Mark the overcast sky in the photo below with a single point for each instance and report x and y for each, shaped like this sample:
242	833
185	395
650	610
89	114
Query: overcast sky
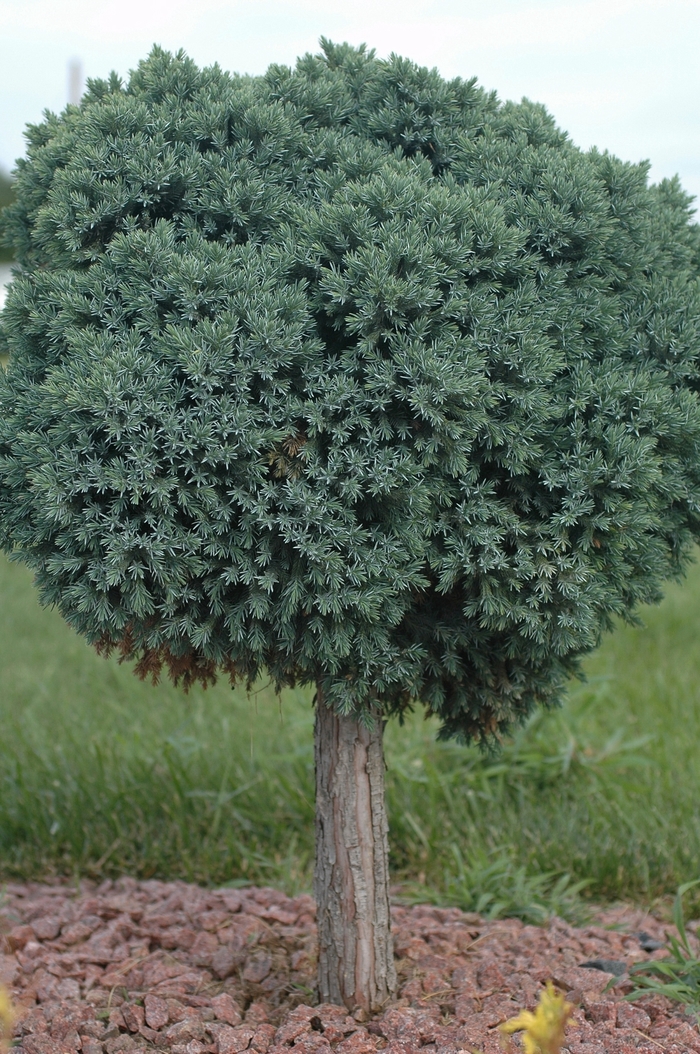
621	74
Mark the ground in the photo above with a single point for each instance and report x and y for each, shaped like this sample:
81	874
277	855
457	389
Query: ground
132	967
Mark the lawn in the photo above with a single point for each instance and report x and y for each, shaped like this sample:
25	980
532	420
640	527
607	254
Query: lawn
101	774
7	196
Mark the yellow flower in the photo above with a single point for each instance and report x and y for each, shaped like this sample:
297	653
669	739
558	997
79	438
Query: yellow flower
7	1019
543	1030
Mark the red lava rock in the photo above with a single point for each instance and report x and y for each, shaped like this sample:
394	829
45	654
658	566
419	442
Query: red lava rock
489	977
116	1019
400	1024
231	900
257	968
18	937
465	1008
134	1016
629	1016
203	947
193	1047
232	1040
313	1043
399	1047
41	1044
75	934
185	1030
257	1014
498	1009
263	1038
334	1034
331	1016
45	929
150	1035
69	988
278	914
70	1040
126	967
226	1009
70	1018
90	1046
297	1023
603	1010
178	937
224	962
93	1029
156	1012
120	1044
358	1042
685	1037
44	984
211	920
35	1021
9	969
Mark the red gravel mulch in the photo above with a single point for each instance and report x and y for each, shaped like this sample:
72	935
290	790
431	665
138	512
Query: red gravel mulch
133	967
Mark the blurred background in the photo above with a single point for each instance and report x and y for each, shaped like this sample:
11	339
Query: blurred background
101	774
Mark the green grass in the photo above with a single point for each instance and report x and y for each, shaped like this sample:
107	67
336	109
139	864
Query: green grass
101	774
7	195
677	974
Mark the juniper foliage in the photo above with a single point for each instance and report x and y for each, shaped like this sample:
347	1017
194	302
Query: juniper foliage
350	374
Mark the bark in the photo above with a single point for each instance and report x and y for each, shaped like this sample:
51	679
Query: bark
351	881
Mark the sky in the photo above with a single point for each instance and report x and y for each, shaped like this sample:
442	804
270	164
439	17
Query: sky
623	75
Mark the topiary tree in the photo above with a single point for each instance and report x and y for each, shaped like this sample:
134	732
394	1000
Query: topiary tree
356	376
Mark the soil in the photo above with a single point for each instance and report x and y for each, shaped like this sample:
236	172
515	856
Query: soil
134	967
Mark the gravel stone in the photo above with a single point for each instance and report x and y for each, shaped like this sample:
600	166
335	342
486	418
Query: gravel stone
129	967
226	1009
46	928
257	968
156	1012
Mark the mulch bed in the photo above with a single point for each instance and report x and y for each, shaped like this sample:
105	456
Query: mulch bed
133	967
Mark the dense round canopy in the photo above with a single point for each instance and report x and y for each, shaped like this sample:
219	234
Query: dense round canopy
350	374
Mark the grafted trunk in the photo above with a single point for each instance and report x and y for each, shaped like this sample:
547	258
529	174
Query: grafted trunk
351	881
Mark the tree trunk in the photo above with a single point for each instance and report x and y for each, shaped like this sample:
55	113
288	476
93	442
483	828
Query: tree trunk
351	881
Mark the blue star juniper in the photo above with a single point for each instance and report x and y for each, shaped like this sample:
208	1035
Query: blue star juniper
348	374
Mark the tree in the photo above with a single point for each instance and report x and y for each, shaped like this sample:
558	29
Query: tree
358	377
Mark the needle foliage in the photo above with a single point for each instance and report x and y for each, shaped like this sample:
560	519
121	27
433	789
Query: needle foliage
350	374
